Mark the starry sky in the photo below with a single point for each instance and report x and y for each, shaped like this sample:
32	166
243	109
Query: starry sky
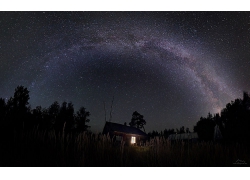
172	67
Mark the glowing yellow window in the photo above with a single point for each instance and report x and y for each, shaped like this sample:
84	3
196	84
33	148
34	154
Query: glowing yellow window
132	140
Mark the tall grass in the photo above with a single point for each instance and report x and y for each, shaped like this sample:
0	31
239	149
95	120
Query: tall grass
48	148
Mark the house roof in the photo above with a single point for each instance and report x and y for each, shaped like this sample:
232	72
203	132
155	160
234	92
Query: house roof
112	127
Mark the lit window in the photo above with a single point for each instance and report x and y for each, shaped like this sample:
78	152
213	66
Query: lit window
132	140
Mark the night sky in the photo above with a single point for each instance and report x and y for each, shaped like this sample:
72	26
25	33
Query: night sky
172	67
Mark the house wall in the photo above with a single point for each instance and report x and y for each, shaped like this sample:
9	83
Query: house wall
127	138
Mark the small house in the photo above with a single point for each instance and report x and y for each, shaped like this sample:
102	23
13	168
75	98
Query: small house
128	134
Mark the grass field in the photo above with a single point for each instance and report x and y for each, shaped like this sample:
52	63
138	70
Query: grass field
49	149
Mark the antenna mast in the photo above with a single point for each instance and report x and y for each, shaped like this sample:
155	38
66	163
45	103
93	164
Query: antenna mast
105	110
110	118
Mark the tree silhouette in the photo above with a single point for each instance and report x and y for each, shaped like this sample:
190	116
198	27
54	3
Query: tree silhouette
70	116
16	114
53	114
205	128
21	98
65	117
2	109
182	130
234	121
47	122
137	121
37	115
81	119
18	109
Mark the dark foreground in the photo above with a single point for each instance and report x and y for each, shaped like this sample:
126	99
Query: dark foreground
49	149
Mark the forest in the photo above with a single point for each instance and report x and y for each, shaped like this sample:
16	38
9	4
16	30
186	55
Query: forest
59	136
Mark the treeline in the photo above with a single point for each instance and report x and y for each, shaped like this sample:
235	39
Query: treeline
16	114
233	122
168	132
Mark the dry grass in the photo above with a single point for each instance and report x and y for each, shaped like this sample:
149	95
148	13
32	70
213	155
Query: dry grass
48	148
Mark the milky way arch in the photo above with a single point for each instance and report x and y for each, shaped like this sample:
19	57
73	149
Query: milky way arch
169	57
171	78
